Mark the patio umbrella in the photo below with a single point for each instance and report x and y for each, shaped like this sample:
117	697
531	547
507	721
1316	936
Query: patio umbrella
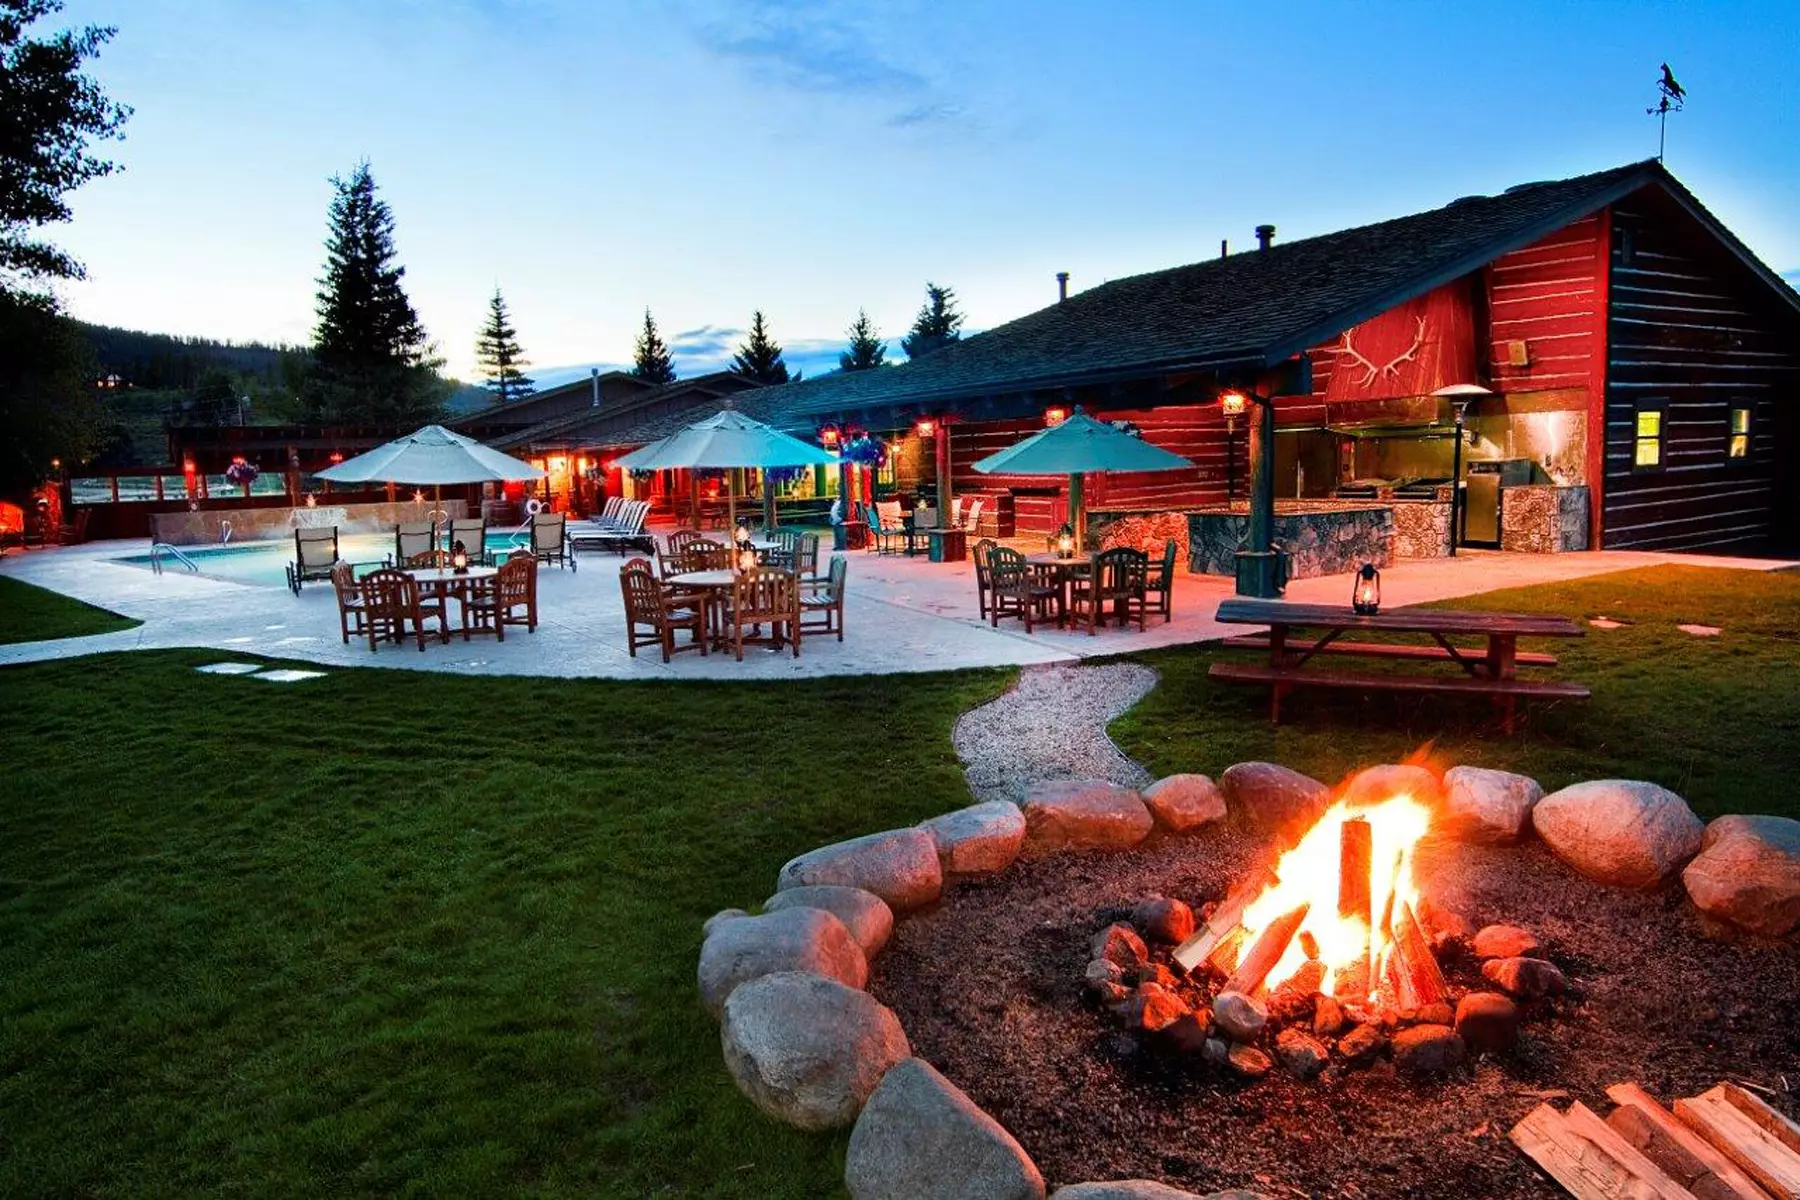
729	440
431	455
1077	445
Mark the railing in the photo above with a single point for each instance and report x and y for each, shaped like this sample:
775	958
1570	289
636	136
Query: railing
224	530
158	549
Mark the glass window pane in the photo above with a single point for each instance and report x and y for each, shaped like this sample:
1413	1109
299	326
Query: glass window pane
90	491
1740	445
1740	420
1649	423
1649	452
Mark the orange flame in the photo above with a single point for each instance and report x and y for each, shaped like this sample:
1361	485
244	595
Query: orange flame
1309	874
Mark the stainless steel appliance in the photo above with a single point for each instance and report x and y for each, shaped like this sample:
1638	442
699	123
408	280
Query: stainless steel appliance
1482	497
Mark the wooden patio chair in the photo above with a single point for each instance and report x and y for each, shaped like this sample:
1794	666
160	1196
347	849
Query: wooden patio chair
782	556
426	559
392	602
1161	589
806	559
1118	578
315	553
353	615
984	574
762	596
681	538
971	519
509	597
413	538
825	602
648	606
1018	591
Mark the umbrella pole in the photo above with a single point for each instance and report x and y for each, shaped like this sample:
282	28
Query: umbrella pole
731	499
768	501
1077	513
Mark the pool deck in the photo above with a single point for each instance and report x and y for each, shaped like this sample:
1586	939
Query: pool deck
902	615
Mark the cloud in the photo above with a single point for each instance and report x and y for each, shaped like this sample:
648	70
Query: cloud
926	114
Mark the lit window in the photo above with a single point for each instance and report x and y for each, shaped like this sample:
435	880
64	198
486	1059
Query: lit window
1649	438
1739	446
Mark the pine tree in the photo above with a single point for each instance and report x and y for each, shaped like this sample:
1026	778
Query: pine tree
372	362
937	325
653	360
759	358
866	350
498	353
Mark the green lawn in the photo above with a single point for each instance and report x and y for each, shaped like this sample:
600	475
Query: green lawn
32	614
1714	718
386	932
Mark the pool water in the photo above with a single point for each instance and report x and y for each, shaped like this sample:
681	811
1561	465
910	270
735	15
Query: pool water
266	563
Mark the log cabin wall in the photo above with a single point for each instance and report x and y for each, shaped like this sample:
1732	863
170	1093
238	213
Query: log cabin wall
1550	296
1693	336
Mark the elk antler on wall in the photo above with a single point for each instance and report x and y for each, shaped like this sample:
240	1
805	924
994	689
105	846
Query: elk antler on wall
1392	367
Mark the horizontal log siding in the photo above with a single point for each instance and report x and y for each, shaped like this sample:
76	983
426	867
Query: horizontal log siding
1548	295
1689	327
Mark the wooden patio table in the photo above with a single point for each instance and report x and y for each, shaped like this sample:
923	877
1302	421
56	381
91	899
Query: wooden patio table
1492	673
447	582
713	583
1064	571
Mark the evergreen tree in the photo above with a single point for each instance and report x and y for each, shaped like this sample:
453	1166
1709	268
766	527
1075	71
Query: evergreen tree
653	360
866	350
937	325
498	352
759	358
372	362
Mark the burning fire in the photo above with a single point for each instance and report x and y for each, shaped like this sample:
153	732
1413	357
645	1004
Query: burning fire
1351	890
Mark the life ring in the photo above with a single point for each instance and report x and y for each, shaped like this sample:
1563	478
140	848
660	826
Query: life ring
533	507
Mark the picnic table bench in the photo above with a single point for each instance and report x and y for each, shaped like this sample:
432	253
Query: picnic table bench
1491	671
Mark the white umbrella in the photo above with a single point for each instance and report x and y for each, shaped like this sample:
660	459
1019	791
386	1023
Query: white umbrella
431	455
730	440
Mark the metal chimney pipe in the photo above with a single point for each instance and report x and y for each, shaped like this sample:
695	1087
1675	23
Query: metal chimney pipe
1062	286
1224	248
1264	235
594	381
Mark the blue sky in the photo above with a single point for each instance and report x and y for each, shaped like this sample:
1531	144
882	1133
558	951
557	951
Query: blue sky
812	159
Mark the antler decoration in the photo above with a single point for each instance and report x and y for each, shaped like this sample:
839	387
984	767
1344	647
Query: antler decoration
1392	367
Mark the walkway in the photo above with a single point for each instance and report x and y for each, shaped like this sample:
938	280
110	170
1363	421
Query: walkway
902	615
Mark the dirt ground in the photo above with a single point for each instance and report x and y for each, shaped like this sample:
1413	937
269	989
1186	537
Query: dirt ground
988	985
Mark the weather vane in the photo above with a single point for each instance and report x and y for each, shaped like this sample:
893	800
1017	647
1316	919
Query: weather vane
1671	98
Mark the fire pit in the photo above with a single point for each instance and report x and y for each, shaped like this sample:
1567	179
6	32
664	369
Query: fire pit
1357	991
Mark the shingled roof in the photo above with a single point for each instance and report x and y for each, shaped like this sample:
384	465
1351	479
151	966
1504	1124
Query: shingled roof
1245	312
610	424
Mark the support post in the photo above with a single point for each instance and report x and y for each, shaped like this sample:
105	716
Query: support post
768	501
943	472
1077	513
1258	566
1456	485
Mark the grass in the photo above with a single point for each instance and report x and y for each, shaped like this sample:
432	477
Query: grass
389	932
32	614
1716	719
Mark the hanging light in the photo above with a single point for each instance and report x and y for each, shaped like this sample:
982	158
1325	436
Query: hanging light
830	436
459	558
1056	414
336	458
1233	403
925	427
1365	594
1065	541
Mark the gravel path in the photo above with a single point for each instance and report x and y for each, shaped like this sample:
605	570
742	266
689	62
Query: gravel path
1051	725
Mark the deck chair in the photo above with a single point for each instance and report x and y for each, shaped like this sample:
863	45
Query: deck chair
759	597
315	552
971	519
510	598
549	539
826	603
472	533
609	512
651	610
413	538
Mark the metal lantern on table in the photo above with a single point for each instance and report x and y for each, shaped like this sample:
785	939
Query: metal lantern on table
1065	541
1365	594
459	558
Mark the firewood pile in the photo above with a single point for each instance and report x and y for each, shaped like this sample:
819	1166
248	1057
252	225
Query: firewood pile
1724	1144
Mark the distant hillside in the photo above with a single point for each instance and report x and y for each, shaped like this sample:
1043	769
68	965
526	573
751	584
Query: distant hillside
161	361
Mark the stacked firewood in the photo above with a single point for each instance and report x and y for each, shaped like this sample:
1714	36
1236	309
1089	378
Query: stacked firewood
1724	1144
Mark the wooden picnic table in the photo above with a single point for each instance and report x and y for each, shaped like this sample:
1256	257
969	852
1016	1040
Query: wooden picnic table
1490	671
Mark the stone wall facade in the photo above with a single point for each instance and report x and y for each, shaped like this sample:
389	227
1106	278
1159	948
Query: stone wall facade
207	527
1320	538
1543	519
1421	529
1146	531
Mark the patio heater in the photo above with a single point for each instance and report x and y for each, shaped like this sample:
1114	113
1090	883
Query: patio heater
1461	396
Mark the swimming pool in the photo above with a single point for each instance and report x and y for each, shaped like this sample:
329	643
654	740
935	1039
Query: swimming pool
266	563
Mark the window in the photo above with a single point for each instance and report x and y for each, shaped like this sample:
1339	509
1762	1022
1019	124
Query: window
1739	445
1649	439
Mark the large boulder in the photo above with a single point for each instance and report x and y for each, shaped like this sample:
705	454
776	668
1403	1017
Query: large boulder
920	1138
1271	797
1492	807
866	915
900	866
1372	785
1748	874
978	840
1180	803
808	1050
1137	1189
1617	831
794	939
1084	814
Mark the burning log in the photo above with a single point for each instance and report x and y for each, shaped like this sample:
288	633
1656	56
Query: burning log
1265	952
1216	941
1411	969
1356	850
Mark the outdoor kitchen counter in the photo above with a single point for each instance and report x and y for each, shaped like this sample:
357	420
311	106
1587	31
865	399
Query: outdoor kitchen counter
1321	537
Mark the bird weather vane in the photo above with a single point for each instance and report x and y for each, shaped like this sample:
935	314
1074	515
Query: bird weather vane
1671	97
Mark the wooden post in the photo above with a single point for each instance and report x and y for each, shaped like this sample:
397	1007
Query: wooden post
1265	952
1356	848
768	501
943	472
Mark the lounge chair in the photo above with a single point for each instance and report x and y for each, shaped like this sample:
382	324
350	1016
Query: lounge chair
353	614
826	602
549	539
510	598
1161	588
315	553
472	533
971	518
625	532
412	538
761	596
648	606
1018	591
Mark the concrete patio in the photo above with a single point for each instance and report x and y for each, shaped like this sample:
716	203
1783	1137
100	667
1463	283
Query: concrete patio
902	614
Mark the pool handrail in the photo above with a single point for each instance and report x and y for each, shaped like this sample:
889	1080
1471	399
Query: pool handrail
158	549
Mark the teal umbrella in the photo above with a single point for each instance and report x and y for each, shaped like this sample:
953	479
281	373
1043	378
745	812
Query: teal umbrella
728	440
1074	447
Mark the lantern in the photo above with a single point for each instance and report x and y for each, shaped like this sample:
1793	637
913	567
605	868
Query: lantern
459	558
312	501
1365	594
1056	414
1232	404
925	427
1065	541
829	437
